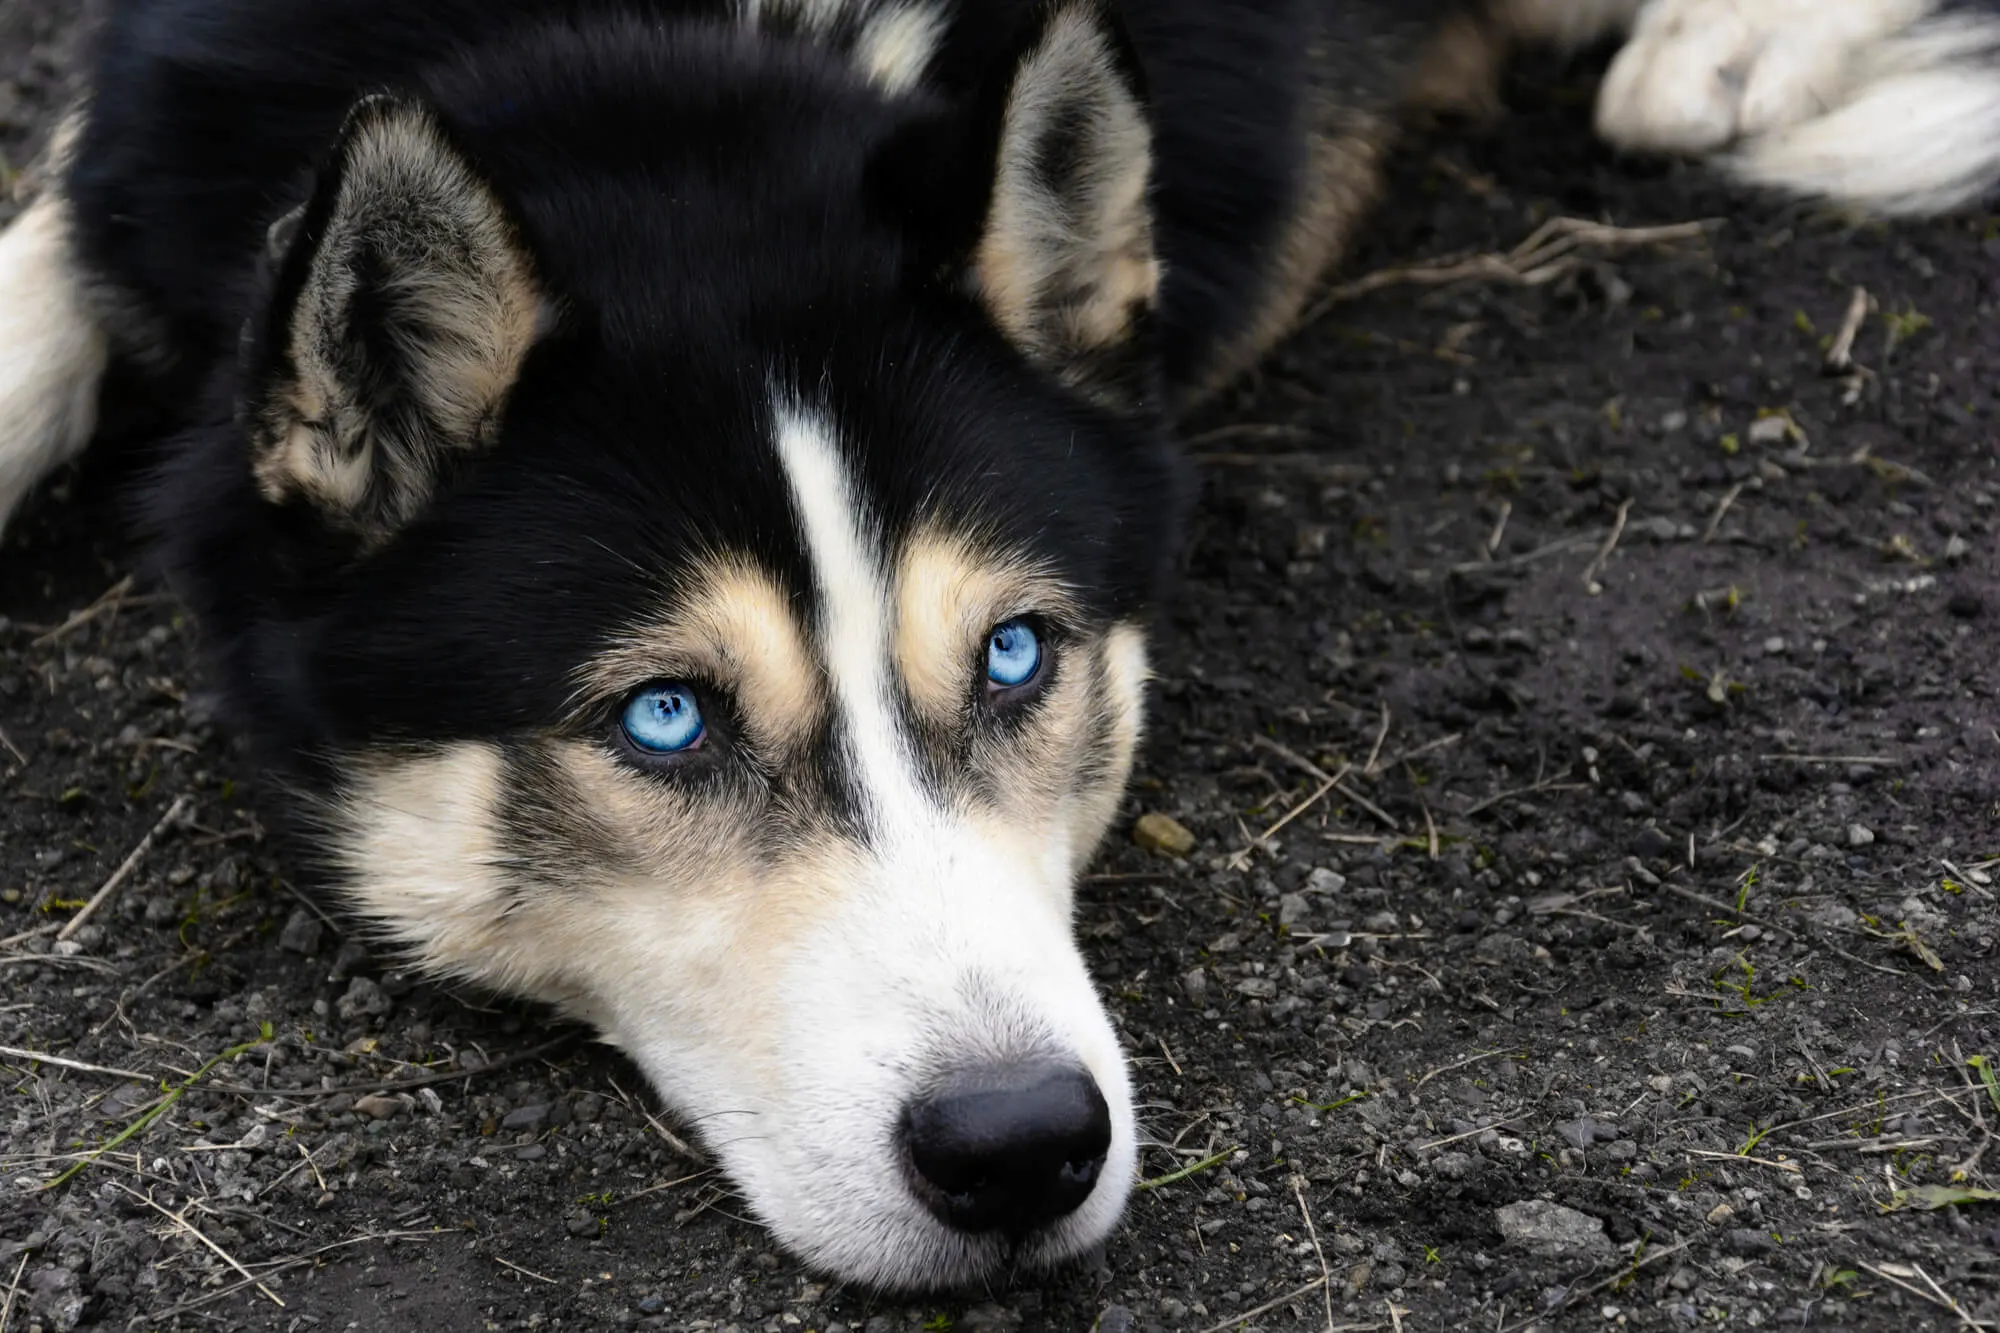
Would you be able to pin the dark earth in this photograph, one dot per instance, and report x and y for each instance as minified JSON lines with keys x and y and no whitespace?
{"x":1639,"y":969}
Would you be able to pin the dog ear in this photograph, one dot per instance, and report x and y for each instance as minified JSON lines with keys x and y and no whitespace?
{"x":404,"y":305}
{"x":1065,"y":260}
{"x":1031,"y":183}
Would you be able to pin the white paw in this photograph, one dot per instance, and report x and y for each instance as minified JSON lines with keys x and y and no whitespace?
{"x":1700,"y":75}
{"x":1886,"y":105}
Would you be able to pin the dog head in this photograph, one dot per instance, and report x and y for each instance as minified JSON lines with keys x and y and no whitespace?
{"x":694,"y":501}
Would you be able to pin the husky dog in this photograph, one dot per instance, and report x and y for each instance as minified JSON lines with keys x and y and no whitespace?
{"x":679,"y":484}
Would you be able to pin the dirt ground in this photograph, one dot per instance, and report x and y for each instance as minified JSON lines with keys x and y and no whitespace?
{"x":1637,"y":969}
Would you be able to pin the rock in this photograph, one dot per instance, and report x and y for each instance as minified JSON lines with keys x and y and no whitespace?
{"x":1292,"y":909}
{"x":377,"y":1107}
{"x":1654,"y":845}
{"x":525,"y":1119}
{"x":364,"y":998}
{"x":580,"y":1224}
{"x":1859,"y":835}
{"x":302,"y":933}
{"x":1550,"y":1229}
{"x":1749,"y":1242}
{"x":1582,"y":1132}
{"x":1456,"y":1165}
{"x":1323,"y":880}
{"x":1965,"y":605}
{"x":989,"y":1318}
{"x":353,"y":956}
{"x":1719,"y":1214}
{"x":1161,"y":833}
{"x":1195,"y":985}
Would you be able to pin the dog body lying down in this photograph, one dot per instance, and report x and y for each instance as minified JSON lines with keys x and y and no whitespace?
{"x":679,"y":487}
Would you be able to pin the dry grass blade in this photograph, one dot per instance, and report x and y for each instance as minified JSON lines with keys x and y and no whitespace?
{"x":60,"y":1062}
{"x":112,"y":598}
{"x":125,"y":868}
{"x":180,"y":1221}
{"x":1715,"y":519}
{"x":1935,"y":1294}
{"x":1325,"y":1273}
{"x":524,"y":1272}
{"x":165,"y":1104}
{"x":13,"y":1290}
{"x":1840,"y":354}
{"x":1242,"y":858}
{"x":1603,"y":555}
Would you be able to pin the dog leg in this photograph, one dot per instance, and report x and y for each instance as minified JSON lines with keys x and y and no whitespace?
{"x":1892,"y":105}
{"x":53,"y":352}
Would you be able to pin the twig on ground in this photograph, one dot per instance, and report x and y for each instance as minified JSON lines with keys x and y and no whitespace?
{"x":398,"y":1084}
{"x":1622,"y":1275}
{"x":1840,"y":353}
{"x":179,"y":1220}
{"x":13,"y":1290}
{"x":1458,"y":1138}
{"x":111,"y":599}
{"x":1715,"y":519}
{"x":61,"y":1062}
{"x":1245,"y":1316}
{"x":524,"y":1272}
{"x":1528,"y":790}
{"x":125,"y":868}
{"x":1388,"y":820}
{"x":1862,"y":759}
{"x":1718,"y":905}
{"x":1242,"y":858}
{"x":673,"y":1140}
{"x":276,"y":1266}
{"x":33,"y":932}
{"x":1936,"y":1295}
{"x":1492,"y":545}
{"x":1325,"y":1273}
{"x":663,"y":1185}
{"x":1549,"y":253}
{"x":13,"y":749}
{"x":1375,"y":750}
{"x":1597,"y":563}
{"x":1457,"y":1064}
{"x":1564,"y":546}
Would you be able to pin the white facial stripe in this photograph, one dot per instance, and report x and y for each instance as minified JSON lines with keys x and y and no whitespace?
{"x":854,"y":621}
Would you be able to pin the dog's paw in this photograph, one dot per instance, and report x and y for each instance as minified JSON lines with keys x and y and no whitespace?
{"x":1700,"y":75}
{"x":1892,"y":106}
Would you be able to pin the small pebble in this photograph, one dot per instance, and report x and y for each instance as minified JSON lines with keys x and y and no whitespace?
{"x":1162,"y":833}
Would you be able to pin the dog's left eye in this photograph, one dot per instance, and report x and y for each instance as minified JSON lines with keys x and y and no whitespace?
{"x":1013,"y":654}
{"x":663,"y":718}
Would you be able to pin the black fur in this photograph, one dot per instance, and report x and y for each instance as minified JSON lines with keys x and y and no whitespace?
{"x":705,"y":205}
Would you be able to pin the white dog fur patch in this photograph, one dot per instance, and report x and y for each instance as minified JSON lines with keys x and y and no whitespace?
{"x":55,"y":352}
{"x":1889,"y":105}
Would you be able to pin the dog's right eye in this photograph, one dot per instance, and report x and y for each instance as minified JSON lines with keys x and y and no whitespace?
{"x":663,"y":718}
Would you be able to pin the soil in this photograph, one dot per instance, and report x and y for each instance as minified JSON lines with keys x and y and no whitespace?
{"x":1637,"y":969}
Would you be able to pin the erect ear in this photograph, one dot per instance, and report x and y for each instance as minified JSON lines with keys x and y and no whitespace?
{"x":1064,"y":259}
{"x":404,"y":306}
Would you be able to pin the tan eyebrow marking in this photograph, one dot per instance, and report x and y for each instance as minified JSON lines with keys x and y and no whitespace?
{"x":950,"y":592}
{"x":733,"y":625}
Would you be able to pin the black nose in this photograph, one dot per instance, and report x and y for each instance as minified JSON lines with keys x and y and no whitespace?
{"x":1009,"y":1148}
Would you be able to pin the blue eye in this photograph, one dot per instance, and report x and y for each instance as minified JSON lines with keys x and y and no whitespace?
{"x":663,"y":719}
{"x":1013,"y":654}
